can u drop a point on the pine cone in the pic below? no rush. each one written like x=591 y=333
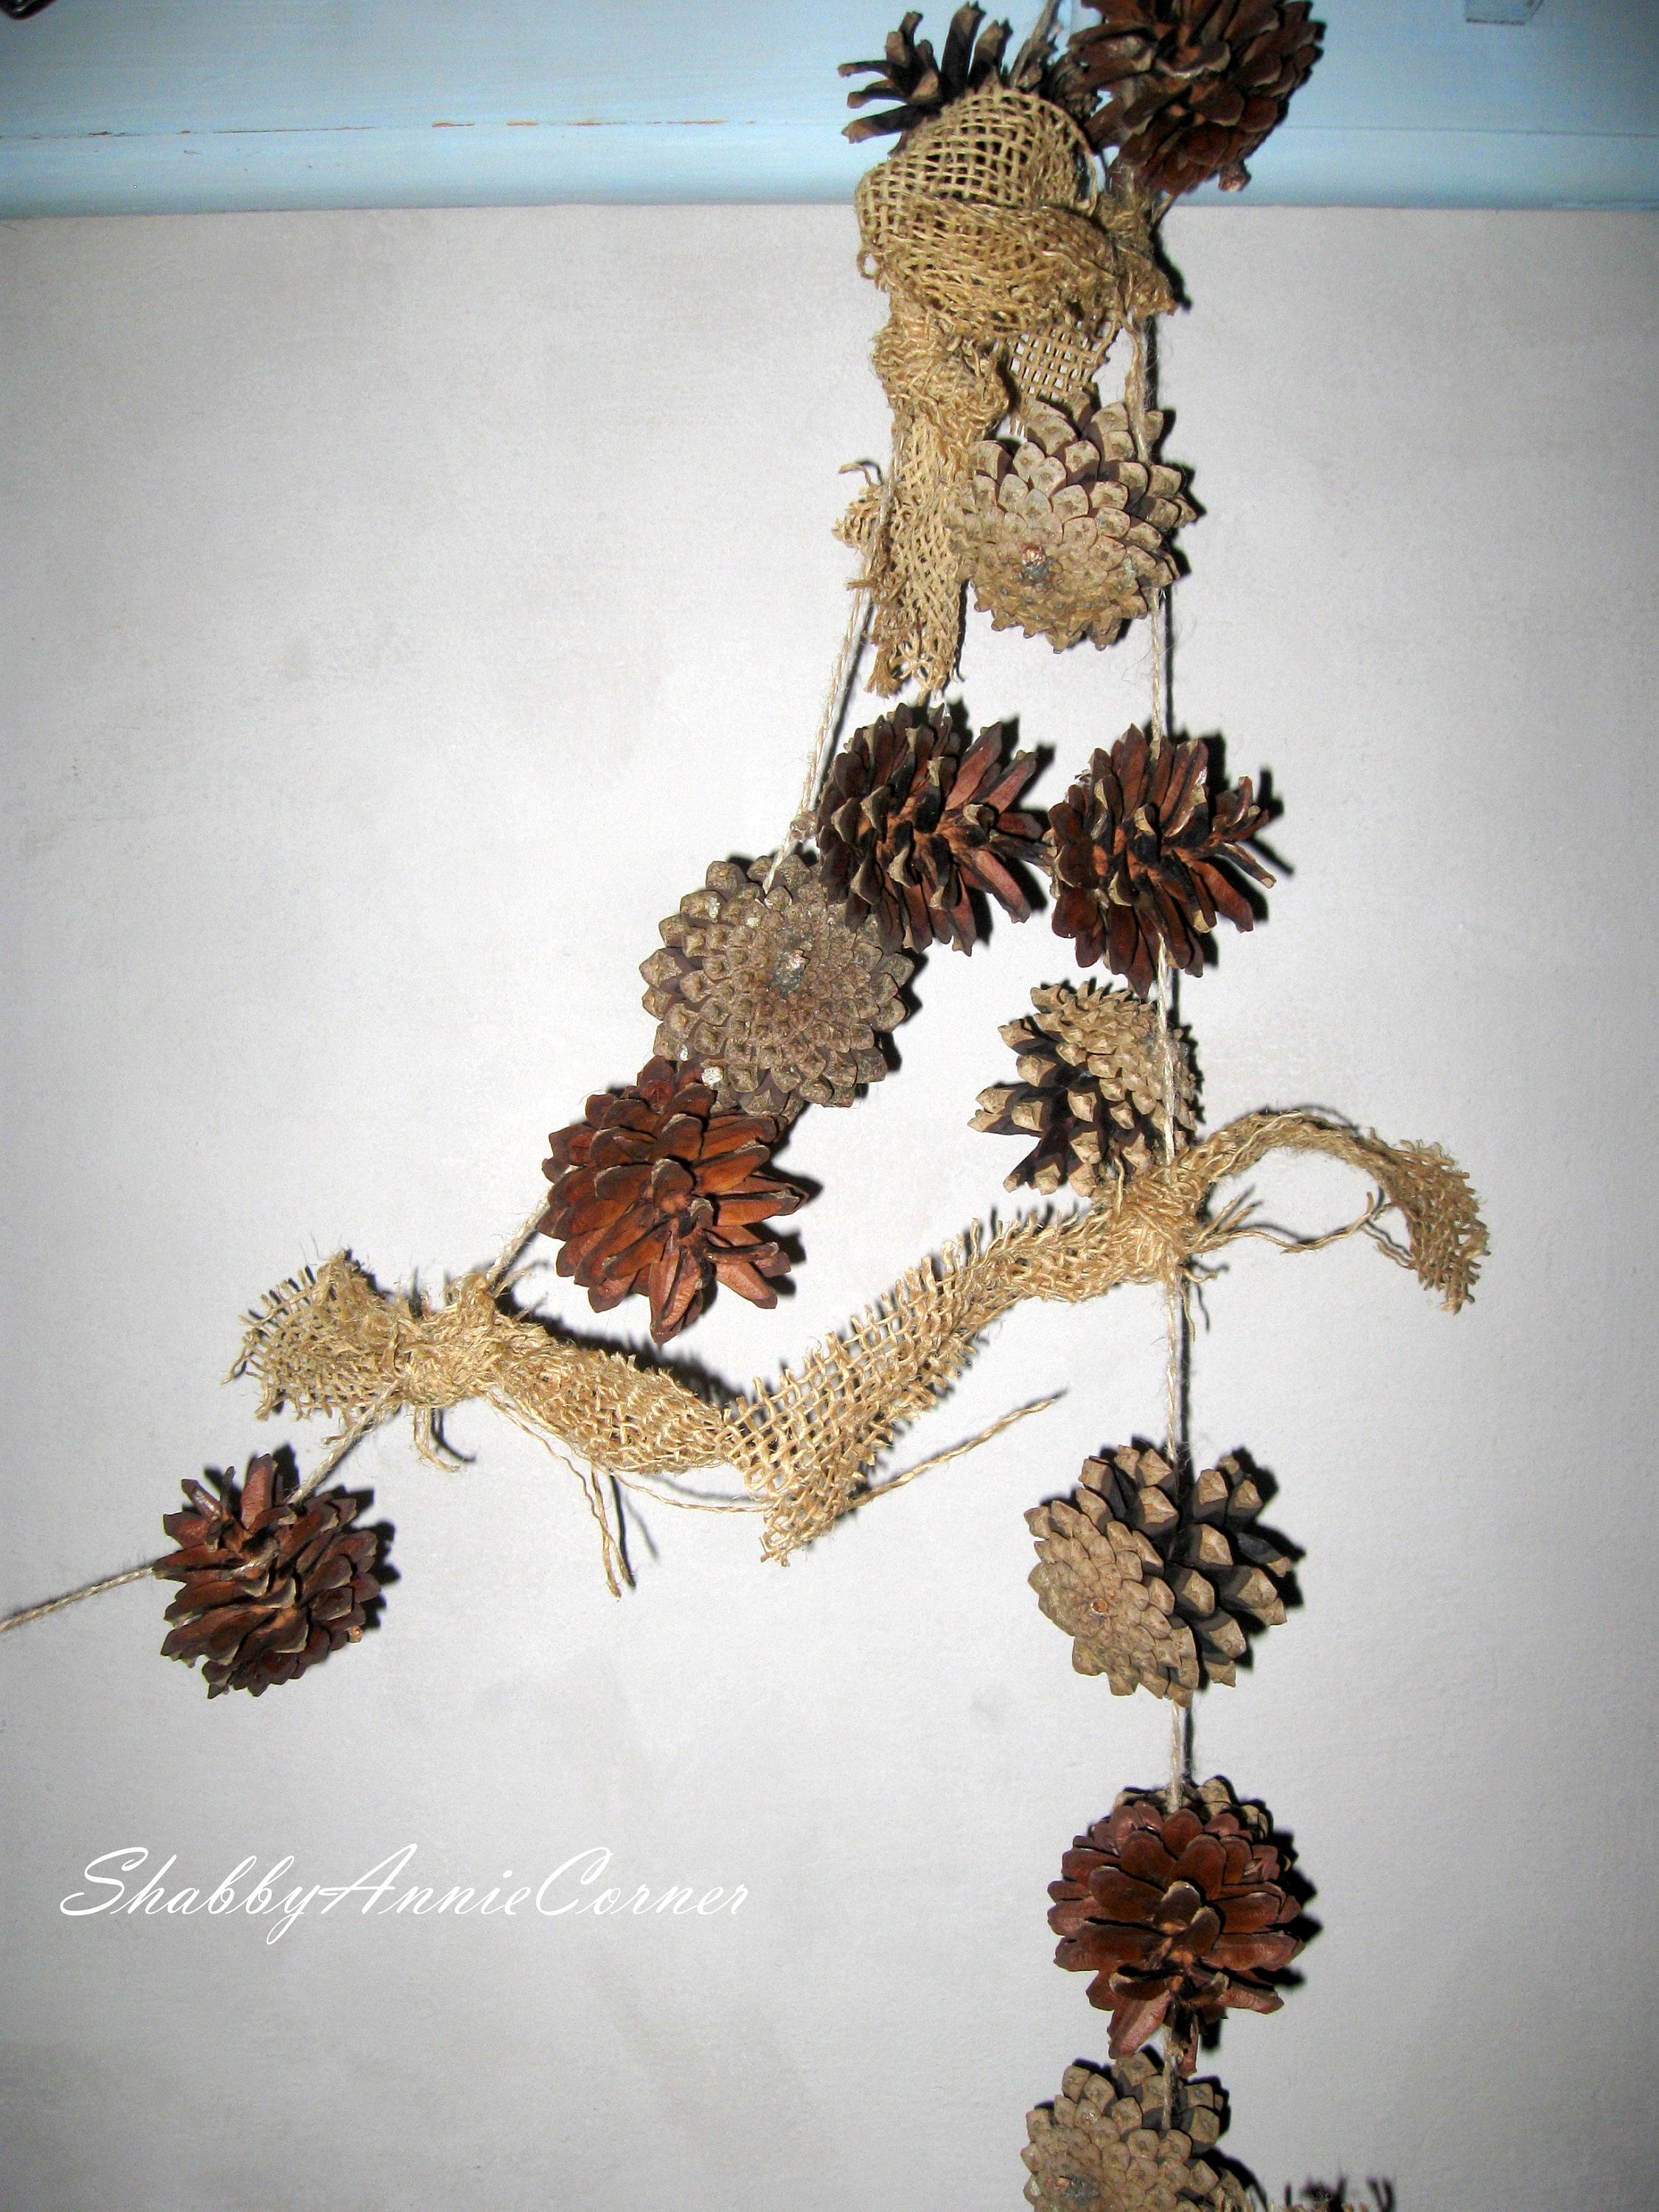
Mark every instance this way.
x=911 y=825
x=1178 y=1916
x=782 y=1000
x=1092 y=1089
x=1142 y=855
x=1102 y=2145
x=1156 y=1588
x=1193 y=86
x=922 y=87
x=655 y=1191
x=1064 y=533
x=271 y=1584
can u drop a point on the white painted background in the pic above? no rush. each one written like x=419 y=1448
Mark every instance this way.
x=398 y=612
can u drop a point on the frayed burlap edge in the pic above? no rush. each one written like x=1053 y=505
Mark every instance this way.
x=330 y=1341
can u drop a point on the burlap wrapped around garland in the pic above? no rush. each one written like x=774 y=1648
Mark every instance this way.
x=1009 y=273
x=805 y=1447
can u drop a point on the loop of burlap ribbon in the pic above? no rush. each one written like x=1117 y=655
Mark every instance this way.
x=805 y=1447
x=1008 y=275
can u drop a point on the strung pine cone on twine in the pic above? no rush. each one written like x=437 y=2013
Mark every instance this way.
x=1092 y=1089
x=1143 y=855
x=1191 y=87
x=1103 y=2145
x=1009 y=274
x=1155 y=1587
x=1179 y=1915
x=1064 y=533
x=273 y=1584
x=922 y=88
x=656 y=1191
x=915 y=819
x=782 y=1000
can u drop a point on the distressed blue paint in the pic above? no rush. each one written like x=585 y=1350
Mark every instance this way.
x=153 y=106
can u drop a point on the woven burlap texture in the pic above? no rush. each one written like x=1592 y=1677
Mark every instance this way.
x=332 y=1342
x=1009 y=274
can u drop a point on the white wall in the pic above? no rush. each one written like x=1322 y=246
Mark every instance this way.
x=398 y=613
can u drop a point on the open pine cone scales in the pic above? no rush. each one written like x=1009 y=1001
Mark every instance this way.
x=1191 y=87
x=922 y=88
x=655 y=1191
x=781 y=999
x=1143 y=853
x=1064 y=533
x=1179 y=1915
x=915 y=819
x=271 y=1584
x=1156 y=1588
x=1092 y=1089
x=1103 y=2146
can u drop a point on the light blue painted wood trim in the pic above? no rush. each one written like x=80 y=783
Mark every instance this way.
x=158 y=106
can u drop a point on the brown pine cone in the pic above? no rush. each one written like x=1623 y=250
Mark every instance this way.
x=655 y=1191
x=1090 y=1090
x=923 y=88
x=1178 y=1916
x=1142 y=855
x=271 y=1584
x=1064 y=533
x=915 y=819
x=1102 y=2146
x=1192 y=87
x=1156 y=1588
x=781 y=1000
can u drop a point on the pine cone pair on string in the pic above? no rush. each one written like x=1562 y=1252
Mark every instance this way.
x=1143 y=853
x=781 y=999
x=1188 y=89
x=1065 y=531
x=1103 y=2145
x=273 y=1584
x=1157 y=1590
x=917 y=818
x=656 y=1191
x=1094 y=1090
x=1179 y=1915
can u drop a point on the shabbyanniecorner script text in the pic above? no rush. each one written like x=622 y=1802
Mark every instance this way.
x=116 y=1885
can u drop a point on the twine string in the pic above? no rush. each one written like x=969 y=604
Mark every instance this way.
x=838 y=699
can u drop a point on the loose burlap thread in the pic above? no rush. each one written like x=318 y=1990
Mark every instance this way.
x=332 y=1342
x=1009 y=274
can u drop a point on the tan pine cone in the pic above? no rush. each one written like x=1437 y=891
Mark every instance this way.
x=655 y=1191
x=782 y=1000
x=1102 y=2145
x=1155 y=1588
x=271 y=1584
x=1090 y=1090
x=916 y=817
x=922 y=88
x=1191 y=87
x=1143 y=853
x=1180 y=1916
x=1064 y=532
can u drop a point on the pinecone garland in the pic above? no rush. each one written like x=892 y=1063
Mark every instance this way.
x=1141 y=855
x=1064 y=533
x=1102 y=2146
x=781 y=1000
x=923 y=88
x=1191 y=87
x=916 y=818
x=1090 y=1090
x=271 y=1584
x=655 y=1191
x=1180 y=1915
x=1156 y=1588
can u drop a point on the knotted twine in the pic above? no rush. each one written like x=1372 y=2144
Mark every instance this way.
x=1009 y=274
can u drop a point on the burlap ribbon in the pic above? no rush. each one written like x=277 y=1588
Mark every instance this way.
x=1009 y=274
x=805 y=1447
